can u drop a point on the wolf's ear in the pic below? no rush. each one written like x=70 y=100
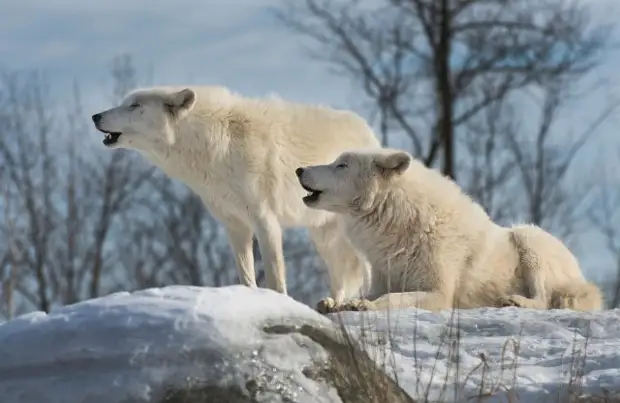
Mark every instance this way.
x=394 y=163
x=181 y=103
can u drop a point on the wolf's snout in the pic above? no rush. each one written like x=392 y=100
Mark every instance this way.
x=299 y=172
x=97 y=118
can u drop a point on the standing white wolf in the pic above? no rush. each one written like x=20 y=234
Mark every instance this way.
x=239 y=155
x=433 y=247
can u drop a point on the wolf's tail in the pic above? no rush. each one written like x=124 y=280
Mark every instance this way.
x=577 y=296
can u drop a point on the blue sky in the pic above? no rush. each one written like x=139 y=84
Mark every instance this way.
x=237 y=43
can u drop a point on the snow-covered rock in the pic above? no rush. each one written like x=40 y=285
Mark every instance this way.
x=240 y=345
x=135 y=347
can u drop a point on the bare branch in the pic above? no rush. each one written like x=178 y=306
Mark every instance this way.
x=421 y=59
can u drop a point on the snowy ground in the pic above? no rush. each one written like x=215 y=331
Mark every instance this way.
x=130 y=347
x=543 y=352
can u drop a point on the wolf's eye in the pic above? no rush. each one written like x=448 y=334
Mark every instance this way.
x=341 y=166
x=134 y=105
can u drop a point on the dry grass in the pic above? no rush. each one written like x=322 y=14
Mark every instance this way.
x=571 y=392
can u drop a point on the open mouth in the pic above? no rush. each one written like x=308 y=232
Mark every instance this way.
x=313 y=194
x=110 y=137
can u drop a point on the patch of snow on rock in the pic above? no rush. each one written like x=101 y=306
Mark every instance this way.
x=133 y=346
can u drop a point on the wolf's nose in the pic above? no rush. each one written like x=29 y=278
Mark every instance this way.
x=299 y=171
x=97 y=118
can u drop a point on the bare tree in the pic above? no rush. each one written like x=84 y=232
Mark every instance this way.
x=26 y=147
x=544 y=156
x=62 y=203
x=11 y=260
x=426 y=65
x=604 y=214
x=487 y=172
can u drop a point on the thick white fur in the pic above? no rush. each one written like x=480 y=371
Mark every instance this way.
x=240 y=155
x=431 y=246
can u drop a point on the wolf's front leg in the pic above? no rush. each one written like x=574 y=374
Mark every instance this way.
x=346 y=267
x=269 y=236
x=240 y=238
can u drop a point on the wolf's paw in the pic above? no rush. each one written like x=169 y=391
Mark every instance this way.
x=326 y=305
x=511 y=300
x=356 y=305
x=329 y=305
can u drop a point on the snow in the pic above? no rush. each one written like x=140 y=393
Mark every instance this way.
x=134 y=346
x=551 y=348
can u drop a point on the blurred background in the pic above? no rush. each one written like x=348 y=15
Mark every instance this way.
x=517 y=100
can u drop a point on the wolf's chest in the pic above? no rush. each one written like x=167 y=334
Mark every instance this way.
x=215 y=188
x=388 y=245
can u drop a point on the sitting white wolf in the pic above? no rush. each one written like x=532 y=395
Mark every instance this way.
x=433 y=247
x=239 y=155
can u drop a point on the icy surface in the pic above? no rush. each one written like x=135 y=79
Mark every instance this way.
x=131 y=347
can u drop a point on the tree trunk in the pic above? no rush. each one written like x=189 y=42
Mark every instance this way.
x=445 y=124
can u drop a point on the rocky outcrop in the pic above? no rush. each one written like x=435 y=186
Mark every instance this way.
x=186 y=344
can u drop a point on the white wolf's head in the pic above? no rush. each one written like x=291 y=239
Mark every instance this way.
x=145 y=117
x=354 y=180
